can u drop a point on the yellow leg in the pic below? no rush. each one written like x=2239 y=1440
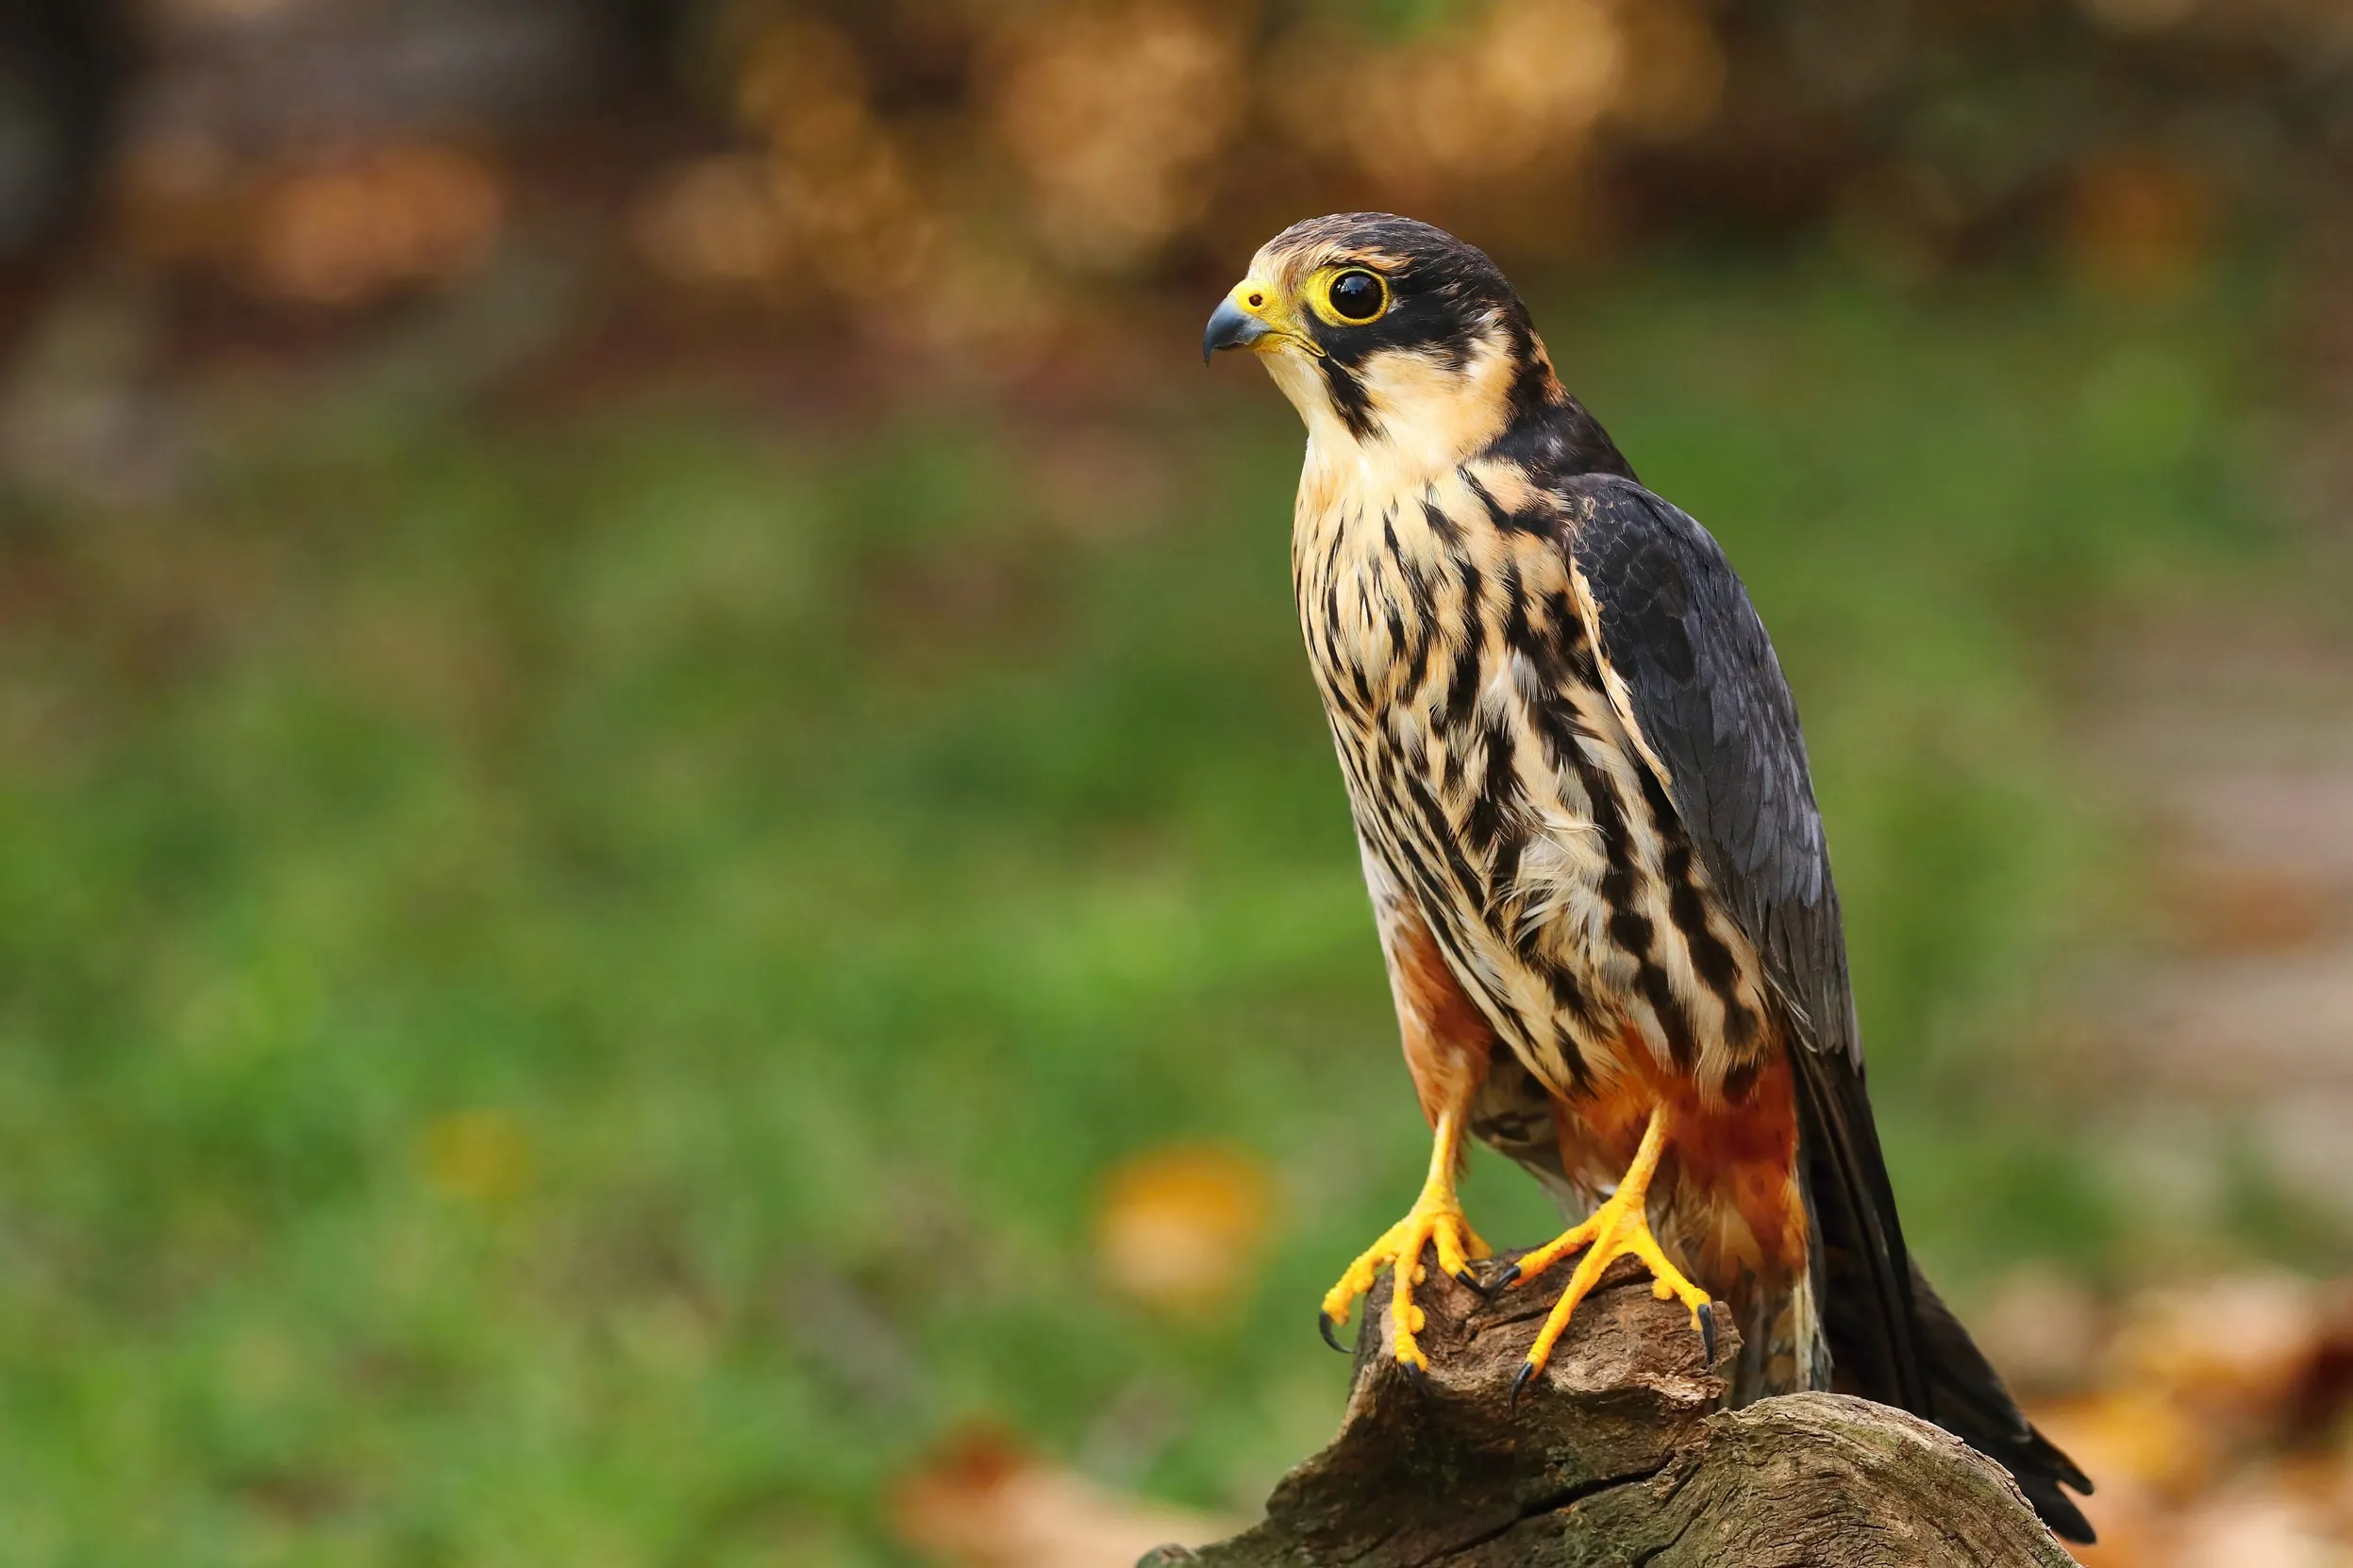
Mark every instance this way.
x=1620 y=1227
x=1436 y=1216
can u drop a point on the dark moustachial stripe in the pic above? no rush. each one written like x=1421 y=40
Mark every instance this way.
x=1349 y=399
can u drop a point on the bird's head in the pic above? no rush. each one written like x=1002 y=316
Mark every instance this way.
x=1389 y=336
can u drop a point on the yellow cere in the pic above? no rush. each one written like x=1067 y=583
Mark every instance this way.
x=1265 y=301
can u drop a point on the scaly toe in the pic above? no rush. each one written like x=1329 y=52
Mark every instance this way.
x=1434 y=1219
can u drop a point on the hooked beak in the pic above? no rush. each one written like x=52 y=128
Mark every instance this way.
x=1231 y=327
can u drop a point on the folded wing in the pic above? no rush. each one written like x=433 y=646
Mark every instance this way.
x=1707 y=693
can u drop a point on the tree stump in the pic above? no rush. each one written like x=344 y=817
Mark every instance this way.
x=1619 y=1454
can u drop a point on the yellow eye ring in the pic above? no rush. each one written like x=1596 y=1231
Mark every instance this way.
x=1351 y=296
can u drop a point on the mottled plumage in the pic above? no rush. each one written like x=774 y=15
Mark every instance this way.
x=1590 y=834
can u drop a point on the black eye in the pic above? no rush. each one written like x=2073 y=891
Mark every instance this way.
x=1357 y=297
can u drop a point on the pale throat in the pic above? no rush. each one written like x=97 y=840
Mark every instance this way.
x=1428 y=419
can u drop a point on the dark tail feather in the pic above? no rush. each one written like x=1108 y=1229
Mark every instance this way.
x=1972 y=1404
x=1891 y=1338
x=1862 y=1273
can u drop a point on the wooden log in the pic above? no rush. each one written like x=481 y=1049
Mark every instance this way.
x=1620 y=1454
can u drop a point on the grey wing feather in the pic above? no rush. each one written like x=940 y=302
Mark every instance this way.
x=1709 y=694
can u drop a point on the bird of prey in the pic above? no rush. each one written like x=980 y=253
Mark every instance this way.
x=1589 y=831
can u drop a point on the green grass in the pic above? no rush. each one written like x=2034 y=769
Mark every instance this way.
x=568 y=989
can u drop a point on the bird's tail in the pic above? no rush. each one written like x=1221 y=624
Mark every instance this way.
x=1863 y=1321
x=1970 y=1402
x=1890 y=1337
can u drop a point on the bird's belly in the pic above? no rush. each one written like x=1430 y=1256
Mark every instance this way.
x=1575 y=920
x=1489 y=772
x=1557 y=988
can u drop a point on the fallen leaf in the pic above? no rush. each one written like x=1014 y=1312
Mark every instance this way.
x=985 y=1502
x=1179 y=1228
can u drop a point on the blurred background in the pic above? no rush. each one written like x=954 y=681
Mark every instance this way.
x=670 y=892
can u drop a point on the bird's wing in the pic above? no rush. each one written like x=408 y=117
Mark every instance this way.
x=1698 y=680
x=1708 y=699
x=1697 y=677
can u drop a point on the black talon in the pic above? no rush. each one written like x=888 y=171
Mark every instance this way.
x=1468 y=1281
x=1505 y=1280
x=1519 y=1381
x=1324 y=1326
x=1708 y=1331
x=1413 y=1373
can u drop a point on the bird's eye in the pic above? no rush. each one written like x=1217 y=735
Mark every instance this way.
x=1358 y=295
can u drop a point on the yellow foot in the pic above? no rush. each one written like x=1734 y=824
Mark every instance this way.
x=1619 y=1228
x=1436 y=1216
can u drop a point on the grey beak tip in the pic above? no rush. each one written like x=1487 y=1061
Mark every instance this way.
x=1230 y=327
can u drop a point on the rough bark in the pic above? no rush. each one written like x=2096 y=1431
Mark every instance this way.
x=1619 y=1454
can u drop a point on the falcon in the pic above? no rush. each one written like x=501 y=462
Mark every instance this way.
x=1589 y=832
